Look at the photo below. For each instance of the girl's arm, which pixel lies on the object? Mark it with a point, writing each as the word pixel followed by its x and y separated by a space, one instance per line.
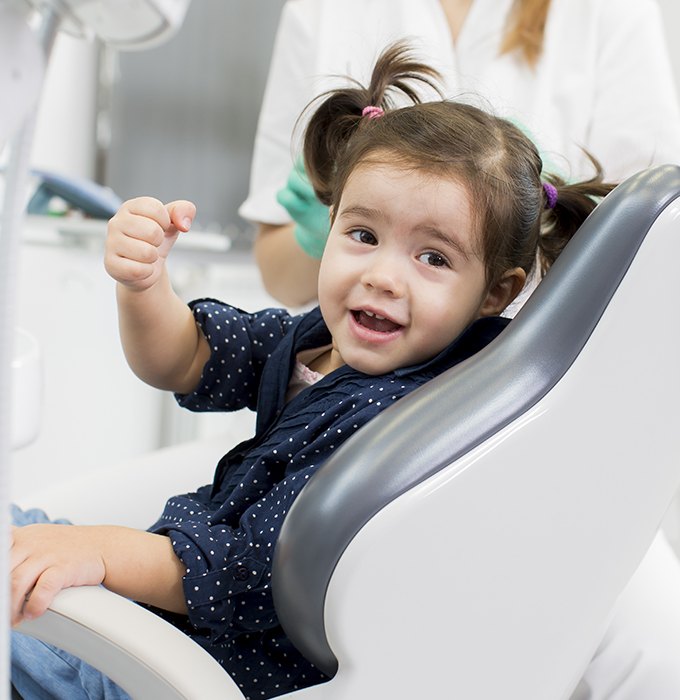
pixel 48 558
pixel 162 343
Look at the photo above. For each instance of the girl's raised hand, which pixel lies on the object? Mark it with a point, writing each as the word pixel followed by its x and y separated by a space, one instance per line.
pixel 140 236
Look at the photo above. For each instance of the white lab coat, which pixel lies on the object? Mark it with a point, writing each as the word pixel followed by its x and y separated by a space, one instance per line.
pixel 604 81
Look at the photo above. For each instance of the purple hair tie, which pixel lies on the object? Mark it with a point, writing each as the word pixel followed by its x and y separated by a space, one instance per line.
pixel 551 194
pixel 372 112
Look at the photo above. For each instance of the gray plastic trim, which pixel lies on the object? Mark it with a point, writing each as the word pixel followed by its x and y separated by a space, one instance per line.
pixel 437 424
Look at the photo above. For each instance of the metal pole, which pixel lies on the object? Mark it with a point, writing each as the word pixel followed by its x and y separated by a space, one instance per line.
pixel 11 218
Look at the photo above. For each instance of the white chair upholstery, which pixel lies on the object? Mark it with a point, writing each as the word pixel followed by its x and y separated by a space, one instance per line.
pixel 472 541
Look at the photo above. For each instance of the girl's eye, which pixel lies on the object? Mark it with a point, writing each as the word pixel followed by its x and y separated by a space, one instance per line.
pixel 434 259
pixel 363 236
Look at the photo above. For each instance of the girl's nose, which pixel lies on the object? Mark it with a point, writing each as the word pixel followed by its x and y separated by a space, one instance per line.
pixel 386 275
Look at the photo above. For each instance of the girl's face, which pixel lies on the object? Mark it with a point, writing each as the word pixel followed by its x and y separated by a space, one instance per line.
pixel 402 274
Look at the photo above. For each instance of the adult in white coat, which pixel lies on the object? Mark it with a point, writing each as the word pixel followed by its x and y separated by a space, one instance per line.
pixel 597 77
pixel 577 74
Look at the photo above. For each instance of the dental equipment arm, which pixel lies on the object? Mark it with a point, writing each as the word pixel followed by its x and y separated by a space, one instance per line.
pixel 23 54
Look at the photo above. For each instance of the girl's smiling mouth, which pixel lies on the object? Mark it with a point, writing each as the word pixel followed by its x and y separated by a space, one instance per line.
pixel 374 322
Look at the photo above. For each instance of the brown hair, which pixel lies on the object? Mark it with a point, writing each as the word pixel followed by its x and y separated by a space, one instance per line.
pixel 498 165
pixel 525 28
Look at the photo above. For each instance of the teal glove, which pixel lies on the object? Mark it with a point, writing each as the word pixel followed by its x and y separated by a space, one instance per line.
pixel 311 217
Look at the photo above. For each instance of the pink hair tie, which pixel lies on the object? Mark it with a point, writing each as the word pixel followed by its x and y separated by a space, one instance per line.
pixel 372 112
pixel 551 194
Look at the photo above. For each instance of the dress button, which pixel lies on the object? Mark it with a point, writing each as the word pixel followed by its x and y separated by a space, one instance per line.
pixel 241 573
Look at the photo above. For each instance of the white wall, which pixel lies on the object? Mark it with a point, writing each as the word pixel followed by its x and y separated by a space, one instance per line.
pixel 670 10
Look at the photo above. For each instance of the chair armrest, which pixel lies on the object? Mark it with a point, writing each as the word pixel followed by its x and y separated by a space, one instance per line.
pixel 122 640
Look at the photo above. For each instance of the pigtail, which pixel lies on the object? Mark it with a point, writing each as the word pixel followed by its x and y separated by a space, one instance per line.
pixel 567 207
pixel 525 29
pixel 344 110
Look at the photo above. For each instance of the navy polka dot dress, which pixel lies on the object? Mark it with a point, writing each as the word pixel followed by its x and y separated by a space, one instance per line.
pixel 225 532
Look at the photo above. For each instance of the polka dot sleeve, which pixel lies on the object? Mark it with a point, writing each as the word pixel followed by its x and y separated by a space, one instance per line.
pixel 240 343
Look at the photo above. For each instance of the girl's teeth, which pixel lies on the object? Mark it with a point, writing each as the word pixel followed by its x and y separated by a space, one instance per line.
pixel 372 315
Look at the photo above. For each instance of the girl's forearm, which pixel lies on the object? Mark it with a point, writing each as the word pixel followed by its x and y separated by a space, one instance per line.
pixel 46 558
pixel 162 343
pixel 142 566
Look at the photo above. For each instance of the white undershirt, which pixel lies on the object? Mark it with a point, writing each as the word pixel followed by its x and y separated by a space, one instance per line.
pixel 303 376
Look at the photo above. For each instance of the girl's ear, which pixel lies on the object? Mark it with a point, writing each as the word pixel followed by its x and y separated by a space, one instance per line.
pixel 501 295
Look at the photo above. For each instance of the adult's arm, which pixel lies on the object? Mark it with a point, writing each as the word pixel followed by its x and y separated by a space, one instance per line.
pixel 288 273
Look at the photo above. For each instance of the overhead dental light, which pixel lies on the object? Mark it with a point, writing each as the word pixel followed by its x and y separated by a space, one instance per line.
pixel 123 24
pixel 27 32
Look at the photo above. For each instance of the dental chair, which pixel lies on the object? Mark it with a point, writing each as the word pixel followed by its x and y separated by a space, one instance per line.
pixel 471 541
